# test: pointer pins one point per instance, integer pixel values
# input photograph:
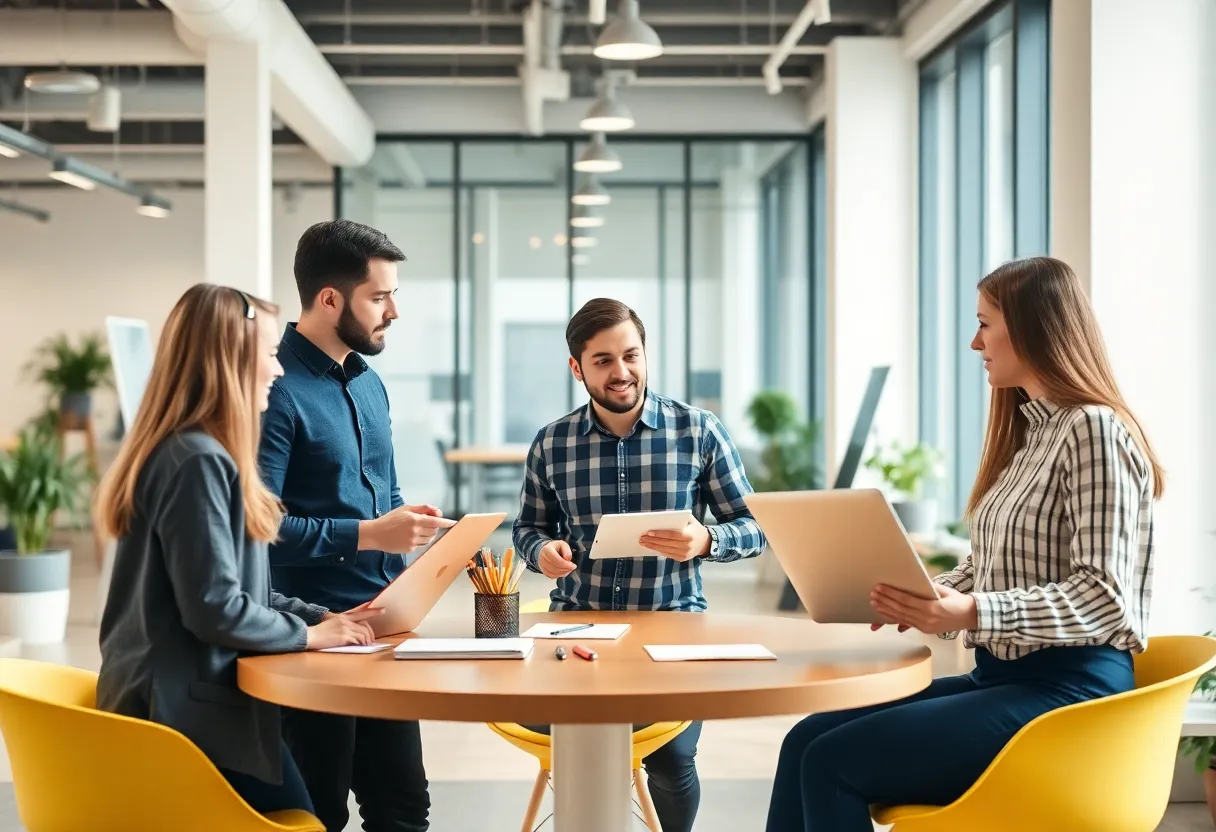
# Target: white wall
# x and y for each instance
(1135, 198)
(871, 258)
(97, 257)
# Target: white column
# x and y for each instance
(871, 223)
(238, 166)
(740, 308)
(486, 334)
(1133, 211)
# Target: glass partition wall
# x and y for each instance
(709, 241)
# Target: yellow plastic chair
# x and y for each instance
(539, 605)
(1106, 764)
(645, 742)
(76, 768)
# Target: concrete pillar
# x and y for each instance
(237, 236)
(1133, 168)
(871, 224)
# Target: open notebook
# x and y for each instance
(463, 648)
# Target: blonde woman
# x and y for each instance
(191, 584)
(1054, 596)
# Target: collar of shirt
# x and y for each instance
(1039, 411)
(317, 360)
(651, 417)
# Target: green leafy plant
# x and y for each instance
(907, 470)
(36, 481)
(66, 369)
(788, 457)
(1202, 749)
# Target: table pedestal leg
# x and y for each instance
(591, 778)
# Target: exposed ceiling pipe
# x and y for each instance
(508, 49)
(48, 38)
(509, 81)
(815, 11)
(305, 91)
(541, 75)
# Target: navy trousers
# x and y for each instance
(930, 747)
(265, 797)
(671, 778)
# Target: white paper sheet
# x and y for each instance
(708, 652)
(357, 648)
(609, 632)
(464, 648)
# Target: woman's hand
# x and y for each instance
(343, 629)
(951, 612)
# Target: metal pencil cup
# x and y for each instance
(496, 616)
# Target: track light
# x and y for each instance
(153, 206)
(66, 171)
(598, 158)
(628, 37)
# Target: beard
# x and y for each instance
(358, 337)
(616, 406)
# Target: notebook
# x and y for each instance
(609, 632)
(358, 648)
(708, 652)
(464, 648)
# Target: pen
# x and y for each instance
(560, 653)
(583, 653)
(573, 629)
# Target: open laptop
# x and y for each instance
(836, 546)
(409, 598)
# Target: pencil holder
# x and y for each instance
(496, 616)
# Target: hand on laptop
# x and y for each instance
(339, 630)
(690, 542)
(555, 559)
(403, 529)
(950, 612)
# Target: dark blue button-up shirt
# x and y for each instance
(327, 452)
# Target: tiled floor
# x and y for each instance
(735, 757)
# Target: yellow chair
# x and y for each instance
(1106, 764)
(76, 768)
(539, 605)
(645, 742)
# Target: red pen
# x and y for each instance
(583, 653)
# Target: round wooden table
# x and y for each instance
(592, 705)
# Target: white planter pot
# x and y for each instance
(34, 596)
(919, 517)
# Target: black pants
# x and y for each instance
(379, 760)
(671, 773)
(266, 797)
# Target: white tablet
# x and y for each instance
(617, 535)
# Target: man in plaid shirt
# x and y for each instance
(631, 450)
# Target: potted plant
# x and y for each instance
(36, 481)
(787, 461)
(905, 471)
(1203, 749)
(72, 373)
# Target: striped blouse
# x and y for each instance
(1062, 544)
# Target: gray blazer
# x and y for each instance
(190, 593)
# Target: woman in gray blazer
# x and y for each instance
(190, 591)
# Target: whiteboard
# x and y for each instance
(131, 356)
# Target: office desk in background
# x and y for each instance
(593, 704)
(475, 459)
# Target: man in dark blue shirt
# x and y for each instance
(327, 451)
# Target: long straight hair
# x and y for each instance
(1055, 335)
(202, 379)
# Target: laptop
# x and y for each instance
(836, 546)
(414, 593)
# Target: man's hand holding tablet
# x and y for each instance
(690, 542)
(950, 612)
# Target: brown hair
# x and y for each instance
(595, 316)
(202, 379)
(1054, 333)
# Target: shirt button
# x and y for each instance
(342, 560)
(618, 589)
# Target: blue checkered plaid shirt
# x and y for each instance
(676, 457)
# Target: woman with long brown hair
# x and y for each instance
(1054, 596)
(190, 590)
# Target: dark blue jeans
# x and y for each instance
(833, 766)
(671, 775)
(266, 797)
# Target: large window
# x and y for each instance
(983, 201)
(707, 240)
